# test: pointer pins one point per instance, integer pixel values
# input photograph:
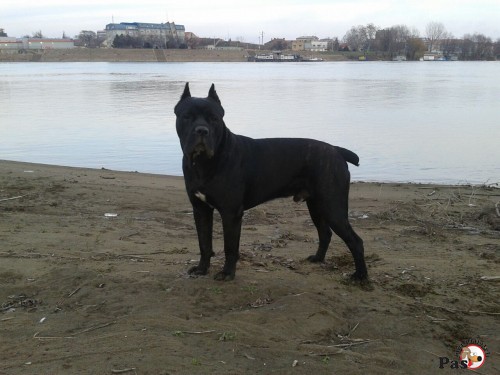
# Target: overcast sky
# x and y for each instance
(245, 20)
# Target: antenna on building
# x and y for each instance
(112, 18)
(261, 38)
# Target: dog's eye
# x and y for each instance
(186, 117)
(213, 118)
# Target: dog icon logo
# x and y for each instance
(473, 355)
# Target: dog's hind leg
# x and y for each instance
(324, 231)
(343, 229)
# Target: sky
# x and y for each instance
(245, 21)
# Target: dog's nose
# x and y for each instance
(201, 130)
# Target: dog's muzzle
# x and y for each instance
(201, 143)
(199, 150)
(201, 131)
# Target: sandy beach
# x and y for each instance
(93, 280)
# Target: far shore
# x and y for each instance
(140, 55)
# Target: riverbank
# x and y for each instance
(126, 55)
(93, 280)
(134, 55)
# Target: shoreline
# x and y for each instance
(93, 279)
(493, 185)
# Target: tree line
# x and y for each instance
(402, 40)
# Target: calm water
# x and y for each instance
(419, 122)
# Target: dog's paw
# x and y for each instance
(359, 276)
(315, 259)
(360, 280)
(224, 276)
(198, 271)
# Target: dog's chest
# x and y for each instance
(203, 197)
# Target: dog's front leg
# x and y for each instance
(203, 218)
(231, 225)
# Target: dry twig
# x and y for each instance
(123, 370)
(349, 344)
(490, 278)
(94, 328)
(74, 291)
(10, 199)
(197, 332)
(35, 336)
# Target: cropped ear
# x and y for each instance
(186, 94)
(212, 94)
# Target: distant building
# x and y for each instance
(298, 45)
(319, 46)
(157, 35)
(7, 43)
(35, 43)
(309, 43)
(101, 34)
(45, 43)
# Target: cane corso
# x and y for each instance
(232, 173)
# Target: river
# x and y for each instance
(408, 121)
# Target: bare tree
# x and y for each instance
(87, 38)
(38, 34)
(361, 37)
(496, 48)
(370, 31)
(434, 31)
(335, 44)
(450, 45)
(477, 47)
(394, 40)
(353, 38)
(415, 48)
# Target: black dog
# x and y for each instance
(233, 173)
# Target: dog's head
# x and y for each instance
(199, 124)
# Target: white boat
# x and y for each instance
(276, 56)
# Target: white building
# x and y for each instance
(318, 46)
(158, 35)
(309, 43)
(18, 44)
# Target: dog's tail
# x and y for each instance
(348, 155)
